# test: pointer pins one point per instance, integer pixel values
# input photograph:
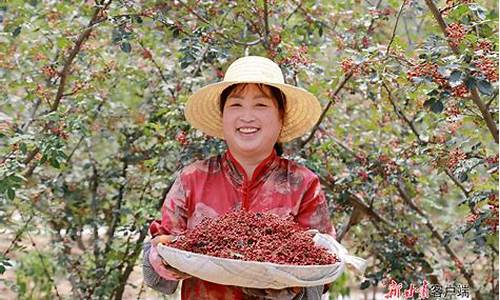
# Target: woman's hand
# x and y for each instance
(272, 294)
(159, 265)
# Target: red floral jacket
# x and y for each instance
(218, 185)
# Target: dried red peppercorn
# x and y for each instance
(250, 236)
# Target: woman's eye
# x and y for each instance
(235, 105)
(262, 105)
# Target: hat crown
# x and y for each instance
(254, 69)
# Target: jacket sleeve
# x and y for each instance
(174, 211)
(152, 279)
(314, 214)
(313, 210)
(173, 221)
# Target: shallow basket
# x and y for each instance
(262, 275)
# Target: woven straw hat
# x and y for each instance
(302, 109)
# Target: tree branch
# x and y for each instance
(395, 27)
(455, 181)
(490, 123)
(116, 210)
(495, 96)
(266, 25)
(76, 48)
(372, 22)
(401, 114)
(96, 18)
(323, 114)
(435, 233)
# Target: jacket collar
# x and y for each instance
(238, 175)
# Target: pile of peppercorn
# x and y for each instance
(250, 236)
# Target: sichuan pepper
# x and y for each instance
(250, 236)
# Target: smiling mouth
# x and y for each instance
(247, 130)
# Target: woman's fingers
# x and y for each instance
(162, 239)
(312, 232)
(163, 269)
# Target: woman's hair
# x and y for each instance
(276, 94)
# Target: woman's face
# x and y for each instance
(251, 121)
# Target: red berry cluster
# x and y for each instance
(49, 71)
(78, 86)
(488, 68)
(181, 138)
(219, 73)
(59, 131)
(365, 42)
(152, 11)
(275, 39)
(454, 157)
(388, 165)
(439, 139)
(146, 54)
(363, 175)
(484, 45)
(362, 159)
(428, 70)
(206, 38)
(492, 221)
(472, 218)
(410, 241)
(458, 263)
(297, 58)
(275, 36)
(456, 33)
(492, 159)
(381, 12)
(348, 66)
(460, 91)
(42, 92)
(250, 236)
(452, 109)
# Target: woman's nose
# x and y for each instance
(247, 115)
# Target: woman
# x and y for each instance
(252, 110)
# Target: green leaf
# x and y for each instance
(16, 31)
(437, 106)
(455, 78)
(459, 12)
(11, 194)
(485, 87)
(116, 36)
(470, 82)
(62, 42)
(429, 102)
(23, 148)
(126, 47)
(365, 284)
(433, 92)
(434, 105)
(55, 163)
(479, 11)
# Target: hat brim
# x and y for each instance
(302, 110)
